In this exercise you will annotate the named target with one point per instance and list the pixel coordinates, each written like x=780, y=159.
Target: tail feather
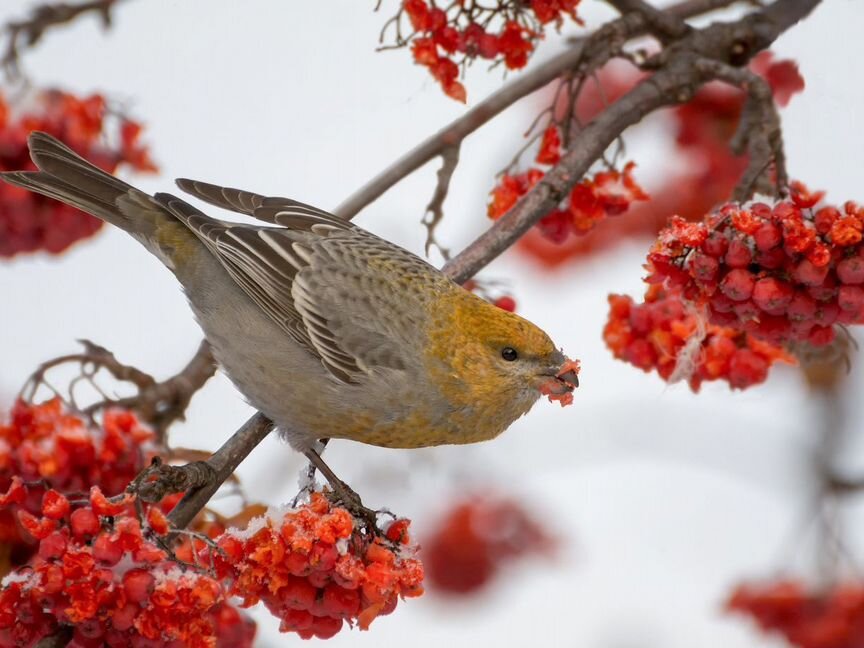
x=69, y=178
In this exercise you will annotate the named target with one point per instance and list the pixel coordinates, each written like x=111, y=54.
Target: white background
x=663, y=500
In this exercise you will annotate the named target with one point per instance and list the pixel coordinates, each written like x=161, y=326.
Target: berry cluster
x=463, y=30
x=52, y=448
x=476, y=539
x=667, y=334
x=707, y=175
x=30, y=222
x=314, y=570
x=785, y=273
x=102, y=575
x=832, y=618
x=607, y=193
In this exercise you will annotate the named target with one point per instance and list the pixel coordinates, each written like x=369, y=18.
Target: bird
x=327, y=329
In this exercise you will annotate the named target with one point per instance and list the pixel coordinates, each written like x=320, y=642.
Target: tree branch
x=43, y=18
x=677, y=79
x=435, y=209
x=759, y=132
x=223, y=464
x=599, y=46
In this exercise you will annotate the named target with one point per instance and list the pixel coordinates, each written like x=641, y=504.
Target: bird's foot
x=348, y=498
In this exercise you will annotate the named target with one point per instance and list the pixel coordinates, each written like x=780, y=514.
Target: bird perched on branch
x=327, y=329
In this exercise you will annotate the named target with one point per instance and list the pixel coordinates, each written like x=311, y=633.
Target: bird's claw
x=347, y=497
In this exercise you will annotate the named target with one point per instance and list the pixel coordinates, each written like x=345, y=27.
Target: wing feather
x=310, y=274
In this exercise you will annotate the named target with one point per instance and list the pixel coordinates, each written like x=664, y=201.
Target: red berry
x=851, y=270
x=767, y=236
x=738, y=284
x=107, y=549
x=703, y=267
x=84, y=522
x=850, y=298
x=738, y=255
x=821, y=335
x=772, y=295
x=138, y=584
x=716, y=244
x=746, y=368
x=809, y=274
x=506, y=303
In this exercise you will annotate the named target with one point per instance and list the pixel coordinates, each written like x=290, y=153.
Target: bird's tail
x=69, y=178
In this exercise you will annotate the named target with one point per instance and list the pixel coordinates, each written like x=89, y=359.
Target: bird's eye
x=509, y=354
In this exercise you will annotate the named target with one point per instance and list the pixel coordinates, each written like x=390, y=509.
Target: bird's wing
x=277, y=211
x=315, y=280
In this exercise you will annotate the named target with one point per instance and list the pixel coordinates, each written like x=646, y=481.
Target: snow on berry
x=56, y=452
x=827, y=617
x=783, y=273
x=315, y=570
x=666, y=334
x=110, y=582
x=30, y=222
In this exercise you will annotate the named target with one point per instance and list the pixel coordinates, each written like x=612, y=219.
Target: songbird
x=329, y=330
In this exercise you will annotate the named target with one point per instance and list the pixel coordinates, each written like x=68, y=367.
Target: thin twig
x=759, y=132
x=159, y=404
x=604, y=41
x=435, y=209
x=163, y=403
x=28, y=32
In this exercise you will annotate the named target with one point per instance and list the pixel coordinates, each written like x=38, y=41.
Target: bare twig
x=163, y=403
x=598, y=47
x=159, y=404
x=435, y=208
x=28, y=32
x=759, y=132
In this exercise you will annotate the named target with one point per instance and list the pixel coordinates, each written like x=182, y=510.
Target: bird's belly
x=413, y=430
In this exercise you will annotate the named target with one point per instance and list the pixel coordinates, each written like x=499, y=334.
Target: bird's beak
x=564, y=374
x=570, y=377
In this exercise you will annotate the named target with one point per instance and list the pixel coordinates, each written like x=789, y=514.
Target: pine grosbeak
x=324, y=327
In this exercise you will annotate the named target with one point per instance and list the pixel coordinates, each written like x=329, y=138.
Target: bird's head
x=498, y=361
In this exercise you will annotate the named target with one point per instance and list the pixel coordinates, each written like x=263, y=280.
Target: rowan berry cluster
x=607, y=193
x=30, y=222
x=666, y=334
x=106, y=577
x=784, y=273
x=314, y=571
x=462, y=32
x=106, y=569
x=706, y=175
x=476, y=539
x=50, y=448
x=829, y=618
